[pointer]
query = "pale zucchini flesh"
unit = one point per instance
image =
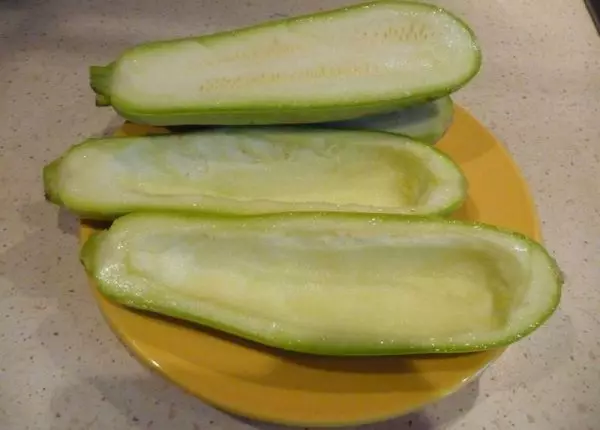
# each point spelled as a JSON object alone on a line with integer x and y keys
{"x": 341, "y": 284}
{"x": 425, "y": 122}
{"x": 336, "y": 65}
{"x": 256, "y": 170}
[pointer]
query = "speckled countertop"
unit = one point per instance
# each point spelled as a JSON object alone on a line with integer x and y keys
{"x": 61, "y": 367}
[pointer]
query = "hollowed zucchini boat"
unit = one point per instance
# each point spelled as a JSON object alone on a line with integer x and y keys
{"x": 425, "y": 122}
{"x": 334, "y": 284}
{"x": 256, "y": 170}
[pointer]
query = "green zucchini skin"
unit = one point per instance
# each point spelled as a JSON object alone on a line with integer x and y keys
{"x": 106, "y": 258}
{"x": 255, "y": 170}
{"x": 261, "y": 110}
{"x": 425, "y": 122}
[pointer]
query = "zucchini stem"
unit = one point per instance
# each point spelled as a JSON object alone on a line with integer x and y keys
{"x": 100, "y": 77}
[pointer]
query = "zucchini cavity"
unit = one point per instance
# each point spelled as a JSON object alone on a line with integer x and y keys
{"x": 342, "y": 284}
{"x": 255, "y": 171}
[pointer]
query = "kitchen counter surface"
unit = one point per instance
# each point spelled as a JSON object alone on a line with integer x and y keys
{"x": 62, "y": 368}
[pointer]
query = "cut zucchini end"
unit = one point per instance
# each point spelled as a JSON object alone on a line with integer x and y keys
{"x": 88, "y": 251}
{"x": 102, "y": 100}
{"x": 431, "y": 126}
{"x": 445, "y": 119}
{"x": 50, "y": 176}
{"x": 100, "y": 81}
{"x": 333, "y": 284}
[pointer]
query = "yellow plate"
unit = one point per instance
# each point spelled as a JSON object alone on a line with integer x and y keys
{"x": 265, "y": 384}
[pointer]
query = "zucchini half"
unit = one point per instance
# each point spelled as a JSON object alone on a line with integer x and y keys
{"x": 333, "y": 284}
{"x": 426, "y": 122}
{"x": 335, "y": 65}
{"x": 256, "y": 170}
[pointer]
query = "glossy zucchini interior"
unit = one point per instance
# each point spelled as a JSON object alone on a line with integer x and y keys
{"x": 256, "y": 170}
{"x": 332, "y": 283}
{"x": 333, "y": 65}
